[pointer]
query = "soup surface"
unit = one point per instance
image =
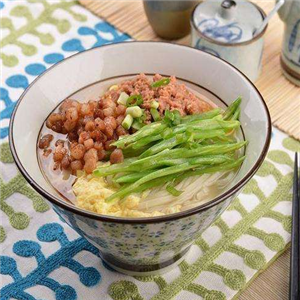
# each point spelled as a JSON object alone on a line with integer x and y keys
{"x": 81, "y": 153}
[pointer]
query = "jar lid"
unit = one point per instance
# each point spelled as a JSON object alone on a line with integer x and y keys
{"x": 227, "y": 21}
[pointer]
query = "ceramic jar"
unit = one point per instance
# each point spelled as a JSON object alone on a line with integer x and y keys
{"x": 231, "y": 30}
{"x": 290, "y": 55}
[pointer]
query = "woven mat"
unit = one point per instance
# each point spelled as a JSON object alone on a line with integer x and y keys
{"x": 282, "y": 97}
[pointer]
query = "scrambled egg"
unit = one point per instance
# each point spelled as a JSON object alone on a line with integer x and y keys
{"x": 91, "y": 193}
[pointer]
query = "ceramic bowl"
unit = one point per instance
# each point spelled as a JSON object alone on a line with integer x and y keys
{"x": 147, "y": 245}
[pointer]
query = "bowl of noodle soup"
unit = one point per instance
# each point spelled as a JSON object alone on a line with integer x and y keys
{"x": 140, "y": 147}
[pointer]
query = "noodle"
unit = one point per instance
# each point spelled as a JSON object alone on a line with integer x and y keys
{"x": 196, "y": 190}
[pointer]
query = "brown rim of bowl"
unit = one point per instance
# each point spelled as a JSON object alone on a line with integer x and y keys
{"x": 224, "y": 44}
{"x": 105, "y": 218}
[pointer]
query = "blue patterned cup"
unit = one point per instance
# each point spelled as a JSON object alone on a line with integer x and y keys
{"x": 290, "y": 55}
{"x": 140, "y": 246}
{"x": 232, "y": 30}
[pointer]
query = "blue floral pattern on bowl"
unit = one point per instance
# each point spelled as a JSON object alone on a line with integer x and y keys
{"x": 143, "y": 247}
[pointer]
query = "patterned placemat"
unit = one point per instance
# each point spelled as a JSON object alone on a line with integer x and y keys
{"x": 282, "y": 97}
{"x": 43, "y": 258}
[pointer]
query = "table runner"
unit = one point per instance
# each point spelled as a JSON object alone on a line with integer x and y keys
{"x": 43, "y": 258}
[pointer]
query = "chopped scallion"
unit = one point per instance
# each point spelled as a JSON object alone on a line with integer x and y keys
{"x": 134, "y": 100}
{"x": 113, "y": 87}
{"x": 137, "y": 125}
{"x": 134, "y": 111}
{"x": 162, "y": 82}
{"x": 154, "y": 104}
{"x": 123, "y": 98}
{"x": 155, "y": 114}
{"x": 127, "y": 122}
{"x": 172, "y": 118}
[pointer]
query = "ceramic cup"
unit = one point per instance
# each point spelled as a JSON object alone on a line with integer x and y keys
{"x": 141, "y": 246}
{"x": 169, "y": 19}
{"x": 290, "y": 55}
{"x": 246, "y": 55}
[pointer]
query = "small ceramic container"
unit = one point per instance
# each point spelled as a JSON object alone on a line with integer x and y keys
{"x": 141, "y": 246}
{"x": 290, "y": 55}
{"x": 232, "y": 30}
{"x": 170, "y": 19}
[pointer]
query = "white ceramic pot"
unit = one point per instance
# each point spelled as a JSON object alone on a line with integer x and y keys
{"x": 232, "y": 30}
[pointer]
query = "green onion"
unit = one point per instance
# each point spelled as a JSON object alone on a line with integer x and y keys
{"x": 154, "y": 104}
{"x": 123, "y": 98}
{"x": 172, "y": 118}
{"x": 134, "y": 111}
{"x": 162, "y": 82}
{"x": 127, "y": 122}
{"x": 134, "y": 100}
{"x": 174, "y": 192}
{"x": 137, "y": 125}
{"x": 155, "y": 114}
